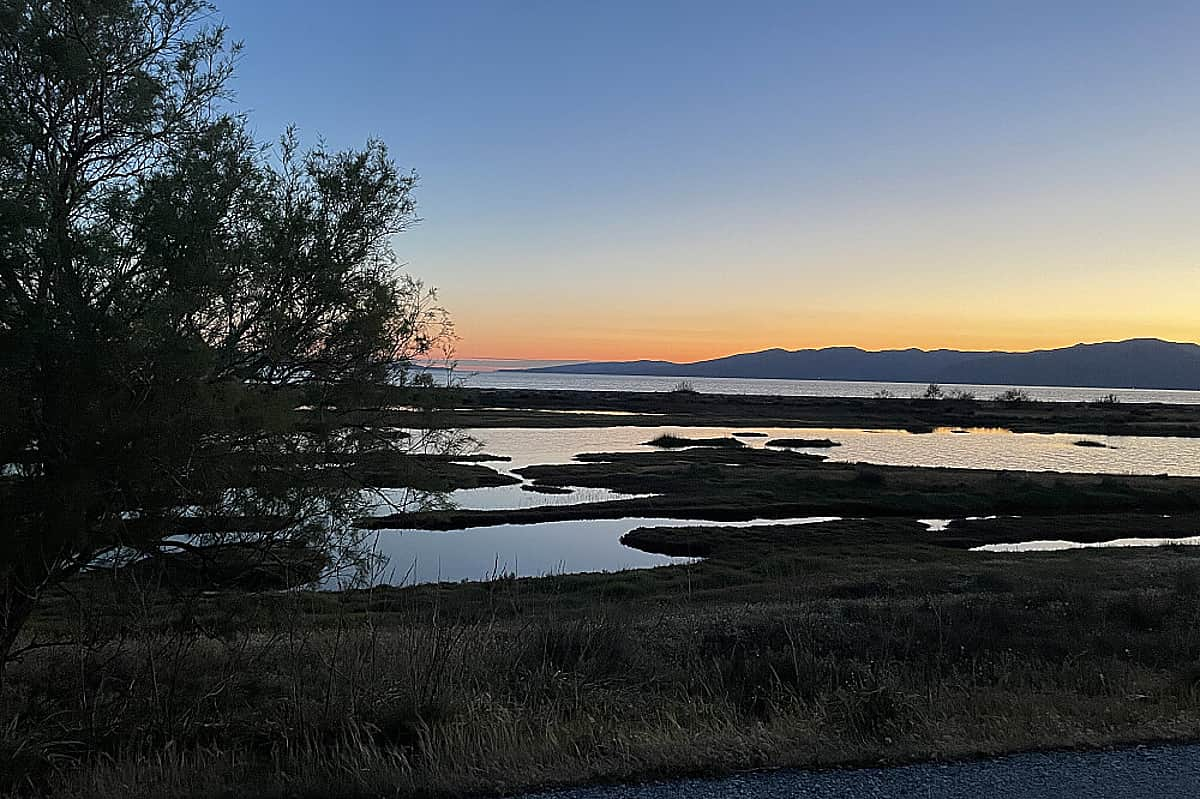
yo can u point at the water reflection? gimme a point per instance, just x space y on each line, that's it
594 545
527 550
1058 546
807 388
979 448
940 525
513 497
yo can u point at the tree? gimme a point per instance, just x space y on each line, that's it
183 312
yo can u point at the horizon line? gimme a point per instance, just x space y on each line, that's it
568 361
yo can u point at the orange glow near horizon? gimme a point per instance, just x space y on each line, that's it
611 345
945 294
597 185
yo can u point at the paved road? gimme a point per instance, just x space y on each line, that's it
1169 772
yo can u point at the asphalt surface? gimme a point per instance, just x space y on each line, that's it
1168 772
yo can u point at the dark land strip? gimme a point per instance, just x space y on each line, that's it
528 408
737 484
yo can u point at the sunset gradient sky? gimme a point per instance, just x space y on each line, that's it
684 180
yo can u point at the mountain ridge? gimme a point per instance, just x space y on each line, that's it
1149 363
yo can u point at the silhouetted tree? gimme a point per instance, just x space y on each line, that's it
181 309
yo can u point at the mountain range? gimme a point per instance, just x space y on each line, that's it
1134 363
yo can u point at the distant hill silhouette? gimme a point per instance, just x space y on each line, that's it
1135 363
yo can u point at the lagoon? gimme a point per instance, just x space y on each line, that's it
592 545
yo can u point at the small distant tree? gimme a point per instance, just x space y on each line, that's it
183 312
932 392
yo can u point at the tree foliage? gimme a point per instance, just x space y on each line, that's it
171 292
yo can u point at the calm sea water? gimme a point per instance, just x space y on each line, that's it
798 388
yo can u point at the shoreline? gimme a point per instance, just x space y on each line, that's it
566 408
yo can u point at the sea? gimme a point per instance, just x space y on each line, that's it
485 373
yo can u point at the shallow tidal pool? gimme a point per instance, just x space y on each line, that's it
593 545
527 550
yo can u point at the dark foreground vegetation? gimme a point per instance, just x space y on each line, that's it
852 642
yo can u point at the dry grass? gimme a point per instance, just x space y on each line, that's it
449 691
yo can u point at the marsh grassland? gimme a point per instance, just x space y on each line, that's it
869 639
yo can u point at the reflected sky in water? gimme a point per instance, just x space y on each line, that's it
594 545
526 550
548 381
1058 546
975 449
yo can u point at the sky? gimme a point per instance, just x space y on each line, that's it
685 180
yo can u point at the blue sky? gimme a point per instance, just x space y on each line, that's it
690 179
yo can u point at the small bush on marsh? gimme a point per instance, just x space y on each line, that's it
1013 395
